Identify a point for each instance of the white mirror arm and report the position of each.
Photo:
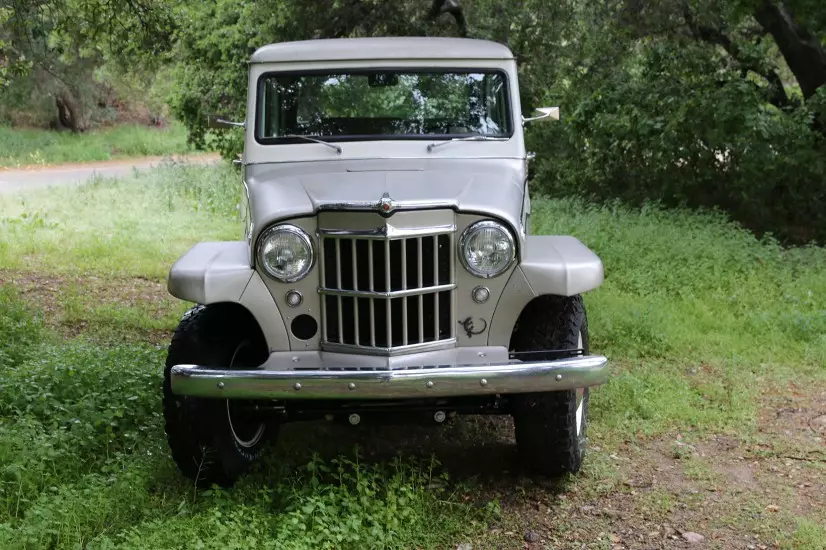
(231, 123)
(547, 112)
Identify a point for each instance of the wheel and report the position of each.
(551, 426)
(214, 440)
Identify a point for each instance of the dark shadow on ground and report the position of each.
(466, 446)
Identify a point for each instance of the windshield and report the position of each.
(382, 105)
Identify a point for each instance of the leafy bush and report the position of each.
(673, 127)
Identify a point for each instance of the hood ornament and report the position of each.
(386, 205)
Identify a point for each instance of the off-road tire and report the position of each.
(199, 431)
(547, 434)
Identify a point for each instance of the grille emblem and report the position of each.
(385, 204)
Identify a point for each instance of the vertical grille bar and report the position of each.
(387, 285)
(452, 256)
(338, 284)
(355, 286)
(372, 301)
(323, 272)
(436, 282)
(421, 298)
(404, 287)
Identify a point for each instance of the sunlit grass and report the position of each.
(130, 227)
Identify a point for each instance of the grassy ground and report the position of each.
(714, 422)
(25, 147)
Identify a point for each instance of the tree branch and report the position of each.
(438, 7)
(802, 51)
(777, 92)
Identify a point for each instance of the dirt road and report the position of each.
(38, 177)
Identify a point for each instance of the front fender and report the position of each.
(557, 265)
(219, 272)
(211, 272)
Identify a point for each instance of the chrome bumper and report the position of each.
(458, 372)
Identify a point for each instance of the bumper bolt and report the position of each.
(429, 384)
(483, 382)
(354, 419)
(558, 377)
(439, 416)
(351, 386)
(297, 386)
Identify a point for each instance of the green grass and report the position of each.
(23, 147)
(697, 316)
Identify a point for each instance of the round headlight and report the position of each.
(486, 249)
(285, 252)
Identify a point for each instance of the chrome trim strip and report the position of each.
(388, 232)
(392, 294)
(384, 352)
(504, 378)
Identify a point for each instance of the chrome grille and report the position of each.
(385, 294)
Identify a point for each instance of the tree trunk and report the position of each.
(802, 50)
(66, 113)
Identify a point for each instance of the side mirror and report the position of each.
(214, 122)
(549, 113)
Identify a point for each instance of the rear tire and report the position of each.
(551, 426)
(214, 440)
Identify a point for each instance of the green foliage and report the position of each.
(20, 147)
(83, 462)
(19, 329)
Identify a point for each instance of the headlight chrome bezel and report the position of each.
(486, 224)
(294, 230)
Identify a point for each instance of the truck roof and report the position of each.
(352, 49)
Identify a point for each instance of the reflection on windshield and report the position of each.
(383, 104)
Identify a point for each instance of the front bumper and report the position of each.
(447, 373)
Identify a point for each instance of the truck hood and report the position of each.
(489, 187)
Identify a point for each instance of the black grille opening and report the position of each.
(348, 317)
(364, 321)
(329, 253)
(445, 324)
(362, 271)
(428, 261)
(413, 335)
(445, 253)
(379, 279)
(396, 275)
(346, 265)
(429, 309)
(397, 317)
(331, 318)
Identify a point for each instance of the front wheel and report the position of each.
(214, 440)
(551, 426)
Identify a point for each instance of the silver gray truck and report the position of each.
(387, 264)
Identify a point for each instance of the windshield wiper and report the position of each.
(333, 146)
(468, 138)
